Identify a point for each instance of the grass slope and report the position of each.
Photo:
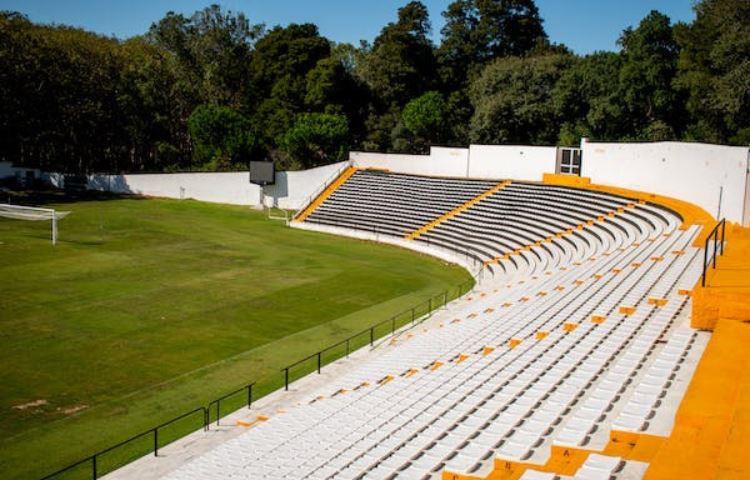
(149, 308)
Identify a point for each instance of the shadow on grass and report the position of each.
(46, 195)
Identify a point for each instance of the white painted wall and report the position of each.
(693, 172)
(232, 187)
(449, 161)
(441, 162)
(6, 170)
(291, 189)
(477, 161)
(511, 162)
(395, 162)
(689, 171)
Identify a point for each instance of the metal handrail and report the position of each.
(154, 431)
(718, 247)
(217, 402)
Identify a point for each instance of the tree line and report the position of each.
(212, 91)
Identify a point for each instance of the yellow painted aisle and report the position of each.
(727, 291)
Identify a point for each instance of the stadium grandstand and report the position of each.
(599, 342)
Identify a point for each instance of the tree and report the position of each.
(512, 100)
(400, 64)
(714, 66)
(588, 101)
(479, 31)
(332, 88)
(278, 72)
(648, 70)
(222, 137)
(212, 49)
(425, 118)
(315, 139)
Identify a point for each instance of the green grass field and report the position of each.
(149, 308)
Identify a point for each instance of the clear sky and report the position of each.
(583, 25)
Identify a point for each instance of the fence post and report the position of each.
(286, 378)
(319, 361)
(249, 395)
(156, 442)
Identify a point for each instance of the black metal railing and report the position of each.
(247, 389)
(411, 316)
(717, 250)
(135, 446)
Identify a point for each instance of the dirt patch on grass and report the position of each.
(34, 404)
(72, 410)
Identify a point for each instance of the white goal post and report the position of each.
(20, 212)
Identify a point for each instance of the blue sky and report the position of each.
(583, 25)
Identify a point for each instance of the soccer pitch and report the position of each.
(149, 308)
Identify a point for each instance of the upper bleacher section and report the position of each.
(510, 228)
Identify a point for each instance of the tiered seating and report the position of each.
(524, 229)
(521, 214)
(559, 358)
(394, 204)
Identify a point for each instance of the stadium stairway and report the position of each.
(571, 364)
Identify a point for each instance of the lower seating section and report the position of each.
(590, 339)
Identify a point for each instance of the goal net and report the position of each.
(20, 212)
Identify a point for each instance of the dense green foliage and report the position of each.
(315, 138)
(221, 136)
(123, 326)
(75, 101)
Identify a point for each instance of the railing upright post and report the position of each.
(716, 244)
(430, 306)
(347, 348)
(705, 260)
(249, 395)
(218, 411)
(286, 379)
(156, 442)
(94, 475)
(723, 232)
(372, 336)
(412, 315)
(393, 325)
(319, 353)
